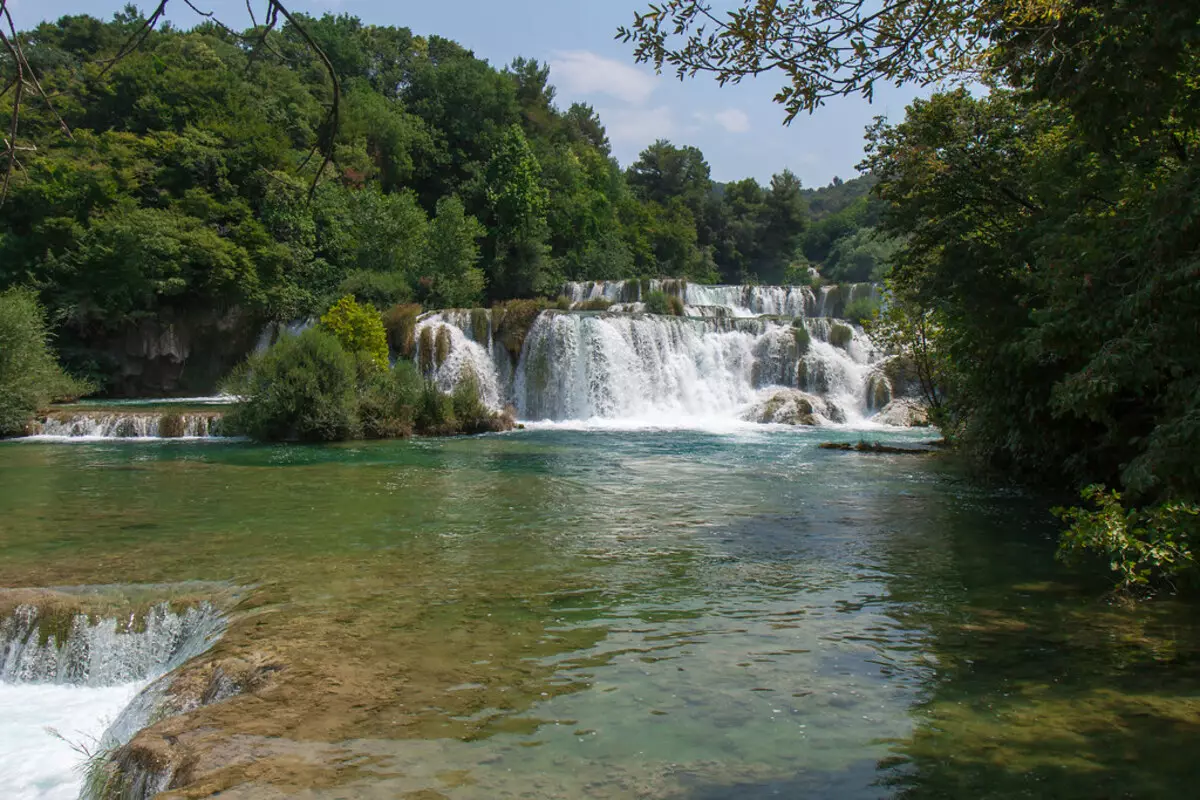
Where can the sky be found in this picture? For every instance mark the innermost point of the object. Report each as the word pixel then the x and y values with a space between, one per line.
pixel 739 128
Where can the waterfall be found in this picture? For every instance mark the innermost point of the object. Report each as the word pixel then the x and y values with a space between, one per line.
pixel 80 650
pixel 615 366
pixel 732 351
pixel 67 672
pixel 587 365
pixel 470 352
pixel 128 425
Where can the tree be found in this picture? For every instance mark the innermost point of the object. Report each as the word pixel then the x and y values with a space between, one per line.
pixel 518 204
pixel 664 171
pixel 825 49
pixel 453 256
pixel 359 329
pixel 30 377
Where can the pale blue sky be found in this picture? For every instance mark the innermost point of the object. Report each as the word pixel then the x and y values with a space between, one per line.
pixel 739 128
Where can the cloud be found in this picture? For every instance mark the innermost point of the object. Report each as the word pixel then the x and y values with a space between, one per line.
pixel 733 120
pixel 638 125
pixel 581 72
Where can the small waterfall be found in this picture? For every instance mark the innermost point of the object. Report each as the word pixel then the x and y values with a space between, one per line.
pixel 82 650
pixel 733 300
pixel 128 425
pixel 470 351
pixel 272 332
pixel 72 664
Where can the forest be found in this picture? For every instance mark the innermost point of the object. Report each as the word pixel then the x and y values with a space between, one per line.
pixel 182 187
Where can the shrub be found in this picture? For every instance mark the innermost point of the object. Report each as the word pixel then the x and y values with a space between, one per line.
pixel 657 303
pixel 801 336
pixel 380 289
pixel 387 402
pixel 1142 545
pixel 442 345
pixel 400 323
pixel 840 335
pixel 425 350
pixel 595 304
pixel 302 389
pixel 480 325
pixel 358 328
pixel 434 412
pixel 675 303
pixel 862 310
pixel 172 426
pixel 30 377
pixel 563 303
pixel 512 320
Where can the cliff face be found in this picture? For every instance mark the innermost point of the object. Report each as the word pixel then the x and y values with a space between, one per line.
pixel 177 353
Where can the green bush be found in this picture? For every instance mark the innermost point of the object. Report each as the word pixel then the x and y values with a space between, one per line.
pixel 480 325
pixel 302 389
pixel 801 336
pixel 434 412
pixel 387 402
pixel 862 310
pixel 664 304
pixel 512 320
pixel 379 289
pixel 359 329
pixel 563 303
pixel 1143 546
pixel 657 303
pixel 840 335
pixel 595 304
pixel 400 323
pixel 30 377
pixel 441 345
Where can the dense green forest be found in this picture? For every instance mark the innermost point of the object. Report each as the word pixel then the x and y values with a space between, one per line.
pixel 188 192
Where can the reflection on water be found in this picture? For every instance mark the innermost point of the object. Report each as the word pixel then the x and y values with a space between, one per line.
pixel 620 614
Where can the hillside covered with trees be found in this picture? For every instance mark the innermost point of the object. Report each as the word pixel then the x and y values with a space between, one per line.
pixel 182 201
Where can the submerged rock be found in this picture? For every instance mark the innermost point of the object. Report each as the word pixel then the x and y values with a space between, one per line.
pixel 904 412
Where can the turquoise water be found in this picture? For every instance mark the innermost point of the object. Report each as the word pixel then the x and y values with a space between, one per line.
pixel 573 613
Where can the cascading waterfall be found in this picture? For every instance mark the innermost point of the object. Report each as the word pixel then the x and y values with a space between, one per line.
pixel 733 349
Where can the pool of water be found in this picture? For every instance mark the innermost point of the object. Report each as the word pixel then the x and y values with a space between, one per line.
pixel 608 614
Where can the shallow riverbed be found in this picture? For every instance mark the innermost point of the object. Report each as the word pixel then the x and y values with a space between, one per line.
pixel 608 614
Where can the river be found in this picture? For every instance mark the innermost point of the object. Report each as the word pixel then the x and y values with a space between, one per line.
pixel 597 612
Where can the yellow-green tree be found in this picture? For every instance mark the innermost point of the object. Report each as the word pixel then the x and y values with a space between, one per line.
pixel 359 328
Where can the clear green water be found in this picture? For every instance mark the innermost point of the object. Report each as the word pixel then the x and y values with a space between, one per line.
pixel 619 614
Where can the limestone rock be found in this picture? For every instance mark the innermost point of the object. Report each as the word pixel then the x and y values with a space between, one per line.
pixel 904 412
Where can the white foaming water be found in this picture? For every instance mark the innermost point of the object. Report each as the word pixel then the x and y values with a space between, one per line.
pixel 656 371
pixel 35 764
pixel 632 367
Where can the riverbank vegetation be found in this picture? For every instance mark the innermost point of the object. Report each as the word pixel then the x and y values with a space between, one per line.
pixel 334 382
pixel 30 377
pixel 1044 235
